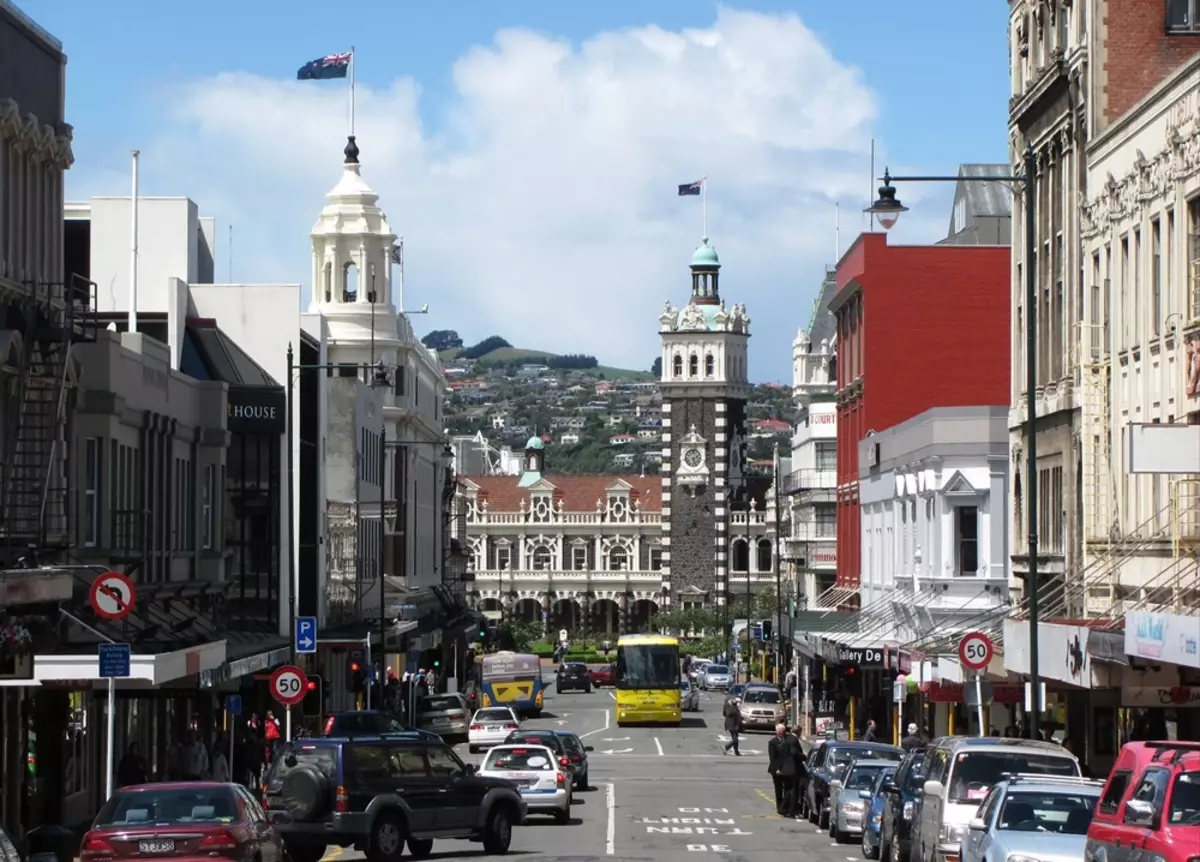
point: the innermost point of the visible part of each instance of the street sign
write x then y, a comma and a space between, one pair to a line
306, 635
115, 661
288, 685
112, 596
975, 651
233, 704
756, 632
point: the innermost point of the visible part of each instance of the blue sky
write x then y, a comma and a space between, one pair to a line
171, 80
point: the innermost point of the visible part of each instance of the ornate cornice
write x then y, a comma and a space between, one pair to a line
41, 141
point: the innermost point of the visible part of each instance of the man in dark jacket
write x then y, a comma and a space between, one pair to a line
783, 754
733, 726
911, 740
869, 733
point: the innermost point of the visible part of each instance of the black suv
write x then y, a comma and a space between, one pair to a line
377, 794
574, 676
902, 794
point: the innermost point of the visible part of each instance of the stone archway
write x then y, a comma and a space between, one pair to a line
567, 614
528, 611
641, 612
606, 620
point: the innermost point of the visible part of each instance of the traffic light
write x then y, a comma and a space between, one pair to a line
356, 670
768, 629
483, 630
313, 704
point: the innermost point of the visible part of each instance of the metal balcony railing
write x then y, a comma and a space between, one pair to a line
810, 478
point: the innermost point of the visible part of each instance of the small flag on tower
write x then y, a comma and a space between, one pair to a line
691, 188
398, 253
326, 68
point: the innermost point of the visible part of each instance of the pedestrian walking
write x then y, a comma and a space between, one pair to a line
220, 770
911, 740
800, 783
733, 726
782, 753
869, 733
195, 758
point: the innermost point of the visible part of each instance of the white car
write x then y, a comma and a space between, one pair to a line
491, 726
545, 784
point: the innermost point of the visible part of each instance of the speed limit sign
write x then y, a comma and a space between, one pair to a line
288, 685
975, 651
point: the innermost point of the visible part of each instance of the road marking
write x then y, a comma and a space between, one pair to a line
615, 739
598, 729
610, 799
658, 745
333, 854
764, 795
613, 695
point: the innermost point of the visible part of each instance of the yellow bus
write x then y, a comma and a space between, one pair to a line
648, 680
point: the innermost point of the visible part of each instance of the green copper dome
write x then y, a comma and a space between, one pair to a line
705, 255
535, 442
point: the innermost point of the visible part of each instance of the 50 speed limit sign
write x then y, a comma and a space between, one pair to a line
975, 651
288, 685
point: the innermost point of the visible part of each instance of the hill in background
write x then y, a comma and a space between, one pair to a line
495, 350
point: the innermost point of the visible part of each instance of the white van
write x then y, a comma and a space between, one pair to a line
959, 772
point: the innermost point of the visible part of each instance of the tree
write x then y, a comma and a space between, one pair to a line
656, 366
442, 339
492, 342
517, 635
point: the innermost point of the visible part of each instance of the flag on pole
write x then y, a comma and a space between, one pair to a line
691, 188
398, 253
326, 68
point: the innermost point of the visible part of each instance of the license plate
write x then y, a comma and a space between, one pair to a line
159, 846
492, 728
440, 721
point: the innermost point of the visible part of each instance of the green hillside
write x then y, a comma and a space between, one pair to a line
504, 355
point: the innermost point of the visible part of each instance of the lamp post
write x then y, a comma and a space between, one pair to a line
887, 209
778, 574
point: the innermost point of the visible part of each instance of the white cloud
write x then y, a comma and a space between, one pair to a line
542, 204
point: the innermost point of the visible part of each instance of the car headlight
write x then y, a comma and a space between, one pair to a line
955, 834
852, 807
877, 819
907, 811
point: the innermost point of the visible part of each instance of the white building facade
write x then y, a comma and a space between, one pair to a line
1140, 225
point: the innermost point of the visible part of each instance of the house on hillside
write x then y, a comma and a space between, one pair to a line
603, 387
571, 438
623, 460
499, 419
763, 428
620, 439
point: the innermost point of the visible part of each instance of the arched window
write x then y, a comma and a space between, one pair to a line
327, 277
618, 559
710, 365
764, 555
741, 555
678, 365
694, 366
350, 283
542, 558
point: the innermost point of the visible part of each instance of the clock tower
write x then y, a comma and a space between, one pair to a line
704, 388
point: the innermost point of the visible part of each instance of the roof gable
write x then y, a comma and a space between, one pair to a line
957, 485
577, 493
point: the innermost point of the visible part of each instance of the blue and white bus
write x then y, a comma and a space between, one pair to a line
514, 680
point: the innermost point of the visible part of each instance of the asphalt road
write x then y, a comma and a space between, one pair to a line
658, 794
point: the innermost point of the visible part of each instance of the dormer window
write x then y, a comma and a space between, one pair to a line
541, 508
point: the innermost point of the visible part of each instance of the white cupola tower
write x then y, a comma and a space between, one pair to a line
352, 255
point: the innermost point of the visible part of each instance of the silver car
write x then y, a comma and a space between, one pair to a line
689, 697
1033, 817
444, 714
716, 678
847, 804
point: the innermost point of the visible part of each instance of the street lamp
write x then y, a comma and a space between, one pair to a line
888, 209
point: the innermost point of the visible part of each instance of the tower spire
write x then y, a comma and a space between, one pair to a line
706, 267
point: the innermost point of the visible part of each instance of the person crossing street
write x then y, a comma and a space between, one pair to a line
733, 726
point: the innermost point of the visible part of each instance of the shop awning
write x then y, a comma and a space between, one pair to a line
146, 670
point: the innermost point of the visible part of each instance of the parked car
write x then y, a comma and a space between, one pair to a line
193, 819
875, 800
1150, 805
444, 714
716, 677
606, 675
551, 740
367, 722
1033, 817
689, 697
578, 753
848, 796
491, 726
902, 794
542, 782
573, 676
829, 762
366, 792
959, 773
762, 708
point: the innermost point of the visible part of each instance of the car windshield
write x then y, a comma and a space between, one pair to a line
862, 777
1064, 813
494, 714
762, 695
549, 740
363, 723
736, 690
440, 704
647, 666
1185, 800
839, 757
717, 669
169, 806
571, 742
975, 772
519, 759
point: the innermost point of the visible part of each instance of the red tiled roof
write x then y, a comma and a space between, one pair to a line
578, 493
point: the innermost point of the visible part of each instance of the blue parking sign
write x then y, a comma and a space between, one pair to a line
233, 704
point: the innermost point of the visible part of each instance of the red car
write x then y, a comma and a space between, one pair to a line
193, 819
1150, 807
604, 676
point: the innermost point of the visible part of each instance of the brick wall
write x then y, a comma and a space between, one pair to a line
693, 520
1137, 54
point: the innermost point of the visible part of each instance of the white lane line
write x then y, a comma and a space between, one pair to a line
610, 798
658, 745
613, 695
598, 729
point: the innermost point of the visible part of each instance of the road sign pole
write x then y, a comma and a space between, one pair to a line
367, 669
288, 724
979, 702
110, 734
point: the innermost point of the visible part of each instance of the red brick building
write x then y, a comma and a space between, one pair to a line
917, 327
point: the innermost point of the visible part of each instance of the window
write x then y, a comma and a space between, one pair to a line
967, 537
443, 763
1156, 297
764, 555
400, 377
350, 283
503, 557
91, 492
678, 365
542, 558
1113, 794
694, 366
579, 558
208, 512
1181, 16
740, 549
618, 559
826, 454
656, 559
710, 365
825, 516
1151, 789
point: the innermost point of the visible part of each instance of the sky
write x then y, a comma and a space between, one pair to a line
529, 151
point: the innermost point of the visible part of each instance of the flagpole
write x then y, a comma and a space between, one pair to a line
704, 203
351, 90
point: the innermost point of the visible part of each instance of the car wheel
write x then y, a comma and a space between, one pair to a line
419, 848
822, 817
868, 851
387, 838
840, 837
497, 835
563, 815
583, 781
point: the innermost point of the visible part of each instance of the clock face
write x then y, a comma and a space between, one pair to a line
693, 458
